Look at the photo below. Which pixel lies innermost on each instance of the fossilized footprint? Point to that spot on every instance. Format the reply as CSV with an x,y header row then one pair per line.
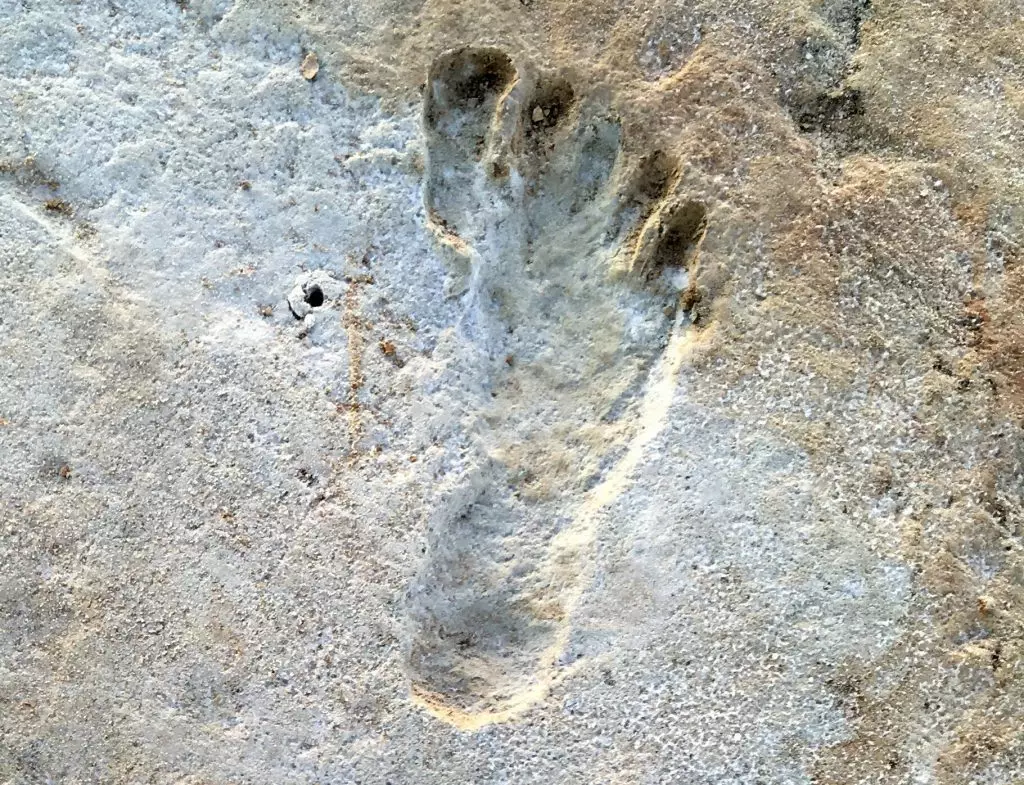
x,y
572,265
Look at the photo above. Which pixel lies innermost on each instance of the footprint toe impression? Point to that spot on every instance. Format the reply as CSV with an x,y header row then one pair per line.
x,y
462,92
668,239
578,259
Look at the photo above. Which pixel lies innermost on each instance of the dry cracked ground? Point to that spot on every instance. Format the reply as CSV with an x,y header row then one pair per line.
x,y
514,391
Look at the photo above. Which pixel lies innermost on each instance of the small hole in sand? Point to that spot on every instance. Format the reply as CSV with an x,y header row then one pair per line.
x,y
314,296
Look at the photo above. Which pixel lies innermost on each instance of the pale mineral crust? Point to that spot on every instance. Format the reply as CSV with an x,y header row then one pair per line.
x,y
511,391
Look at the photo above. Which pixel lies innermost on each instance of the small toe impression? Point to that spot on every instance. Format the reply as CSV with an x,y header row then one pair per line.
x,y
651,181
552,101
669,239
647,186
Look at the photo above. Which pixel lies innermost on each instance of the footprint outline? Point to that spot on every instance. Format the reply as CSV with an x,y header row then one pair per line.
x,y
518,165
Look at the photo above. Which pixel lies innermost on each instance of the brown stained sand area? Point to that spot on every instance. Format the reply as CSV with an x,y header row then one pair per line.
x,y
864,164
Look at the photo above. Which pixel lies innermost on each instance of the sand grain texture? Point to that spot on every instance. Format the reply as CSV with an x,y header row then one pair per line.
x,y
511,392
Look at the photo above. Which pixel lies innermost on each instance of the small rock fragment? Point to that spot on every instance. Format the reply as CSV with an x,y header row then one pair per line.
x,y
310,66
59,206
